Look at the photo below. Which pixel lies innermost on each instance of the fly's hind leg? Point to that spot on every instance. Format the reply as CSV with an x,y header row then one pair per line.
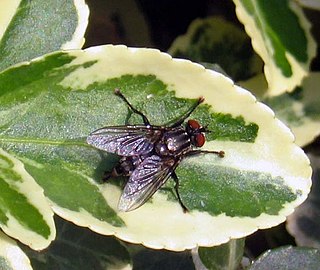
x,y
176,188
124,167
145,119
107,175
199,152
115,172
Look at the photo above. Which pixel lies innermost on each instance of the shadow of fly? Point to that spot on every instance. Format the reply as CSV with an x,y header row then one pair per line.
x,y
150,154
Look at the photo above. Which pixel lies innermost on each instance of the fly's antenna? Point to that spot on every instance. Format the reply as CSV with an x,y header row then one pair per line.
x,y
145,119
185,116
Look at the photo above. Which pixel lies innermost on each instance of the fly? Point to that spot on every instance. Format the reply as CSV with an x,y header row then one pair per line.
x,y
150,154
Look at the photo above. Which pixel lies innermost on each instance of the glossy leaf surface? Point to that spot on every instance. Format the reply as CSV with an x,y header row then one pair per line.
x,y
67,95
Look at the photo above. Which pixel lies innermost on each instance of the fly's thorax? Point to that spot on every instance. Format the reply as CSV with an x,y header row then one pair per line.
x,y
173,143
154,134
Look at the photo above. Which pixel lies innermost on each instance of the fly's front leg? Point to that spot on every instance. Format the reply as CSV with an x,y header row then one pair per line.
x,y
187,114
145,119
176,188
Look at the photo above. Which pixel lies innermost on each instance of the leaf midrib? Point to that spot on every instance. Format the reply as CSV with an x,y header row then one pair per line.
x,y
44,141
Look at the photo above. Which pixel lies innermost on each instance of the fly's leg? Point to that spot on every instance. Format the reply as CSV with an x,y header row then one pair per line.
x,y
145,119
116,172
107,175
176,179
124,167
187,114
199,152
176,188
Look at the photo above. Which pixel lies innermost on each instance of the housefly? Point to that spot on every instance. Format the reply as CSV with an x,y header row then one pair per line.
x,y
150,154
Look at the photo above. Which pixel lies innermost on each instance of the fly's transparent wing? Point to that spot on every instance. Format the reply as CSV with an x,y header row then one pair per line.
x,y
145,180
124,140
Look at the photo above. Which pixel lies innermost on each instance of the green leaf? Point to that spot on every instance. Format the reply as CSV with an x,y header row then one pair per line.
x,y
226,256
77,248
11,256
287,51
215,40
293,258
49,106
24,211
32,28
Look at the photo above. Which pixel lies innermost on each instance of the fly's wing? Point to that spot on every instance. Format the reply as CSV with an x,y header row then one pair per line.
x,y
145,180
125,140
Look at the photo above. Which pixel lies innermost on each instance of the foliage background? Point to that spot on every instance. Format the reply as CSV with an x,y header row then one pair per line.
x,y
156,24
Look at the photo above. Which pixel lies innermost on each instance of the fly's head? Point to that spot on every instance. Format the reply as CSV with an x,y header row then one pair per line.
x,y
196,133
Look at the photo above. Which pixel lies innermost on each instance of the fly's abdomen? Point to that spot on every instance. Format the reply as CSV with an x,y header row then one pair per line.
x,y
127,165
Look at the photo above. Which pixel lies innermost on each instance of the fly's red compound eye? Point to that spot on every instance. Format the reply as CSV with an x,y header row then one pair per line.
x,y
199,139
194,124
